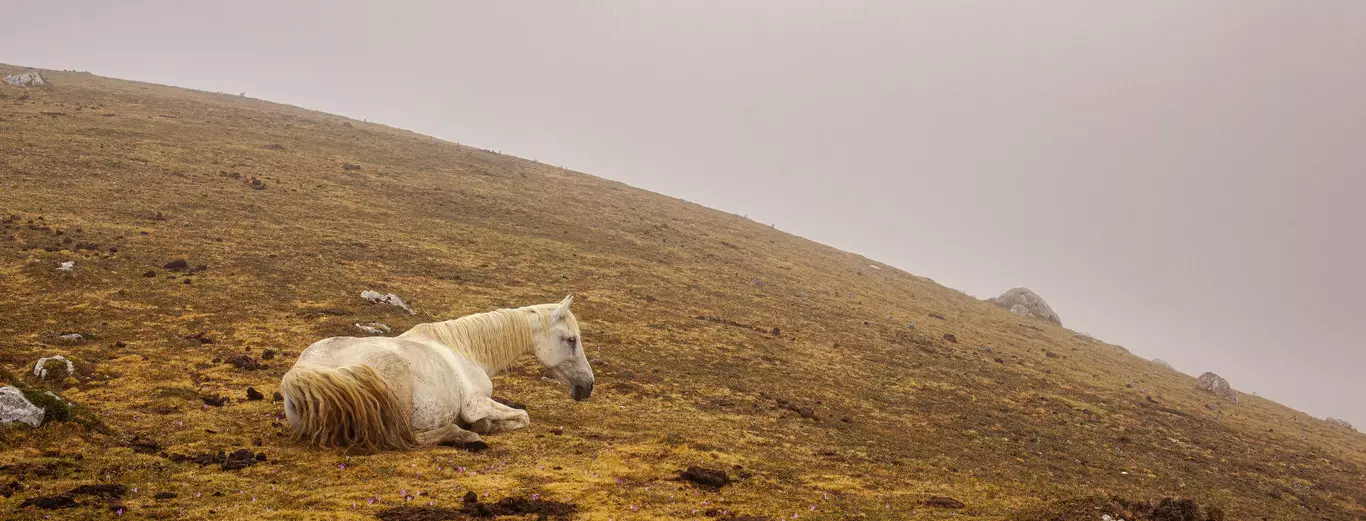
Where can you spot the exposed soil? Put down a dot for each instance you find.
(704, 477)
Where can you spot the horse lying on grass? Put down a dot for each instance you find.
(429, 385)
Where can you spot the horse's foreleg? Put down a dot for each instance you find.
(449, 434)
(500, 418)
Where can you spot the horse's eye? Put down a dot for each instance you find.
(573, 341)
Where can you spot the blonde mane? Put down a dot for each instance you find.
(494, 339)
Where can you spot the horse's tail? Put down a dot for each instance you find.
(346, 407)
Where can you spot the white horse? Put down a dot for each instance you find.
(429, 385)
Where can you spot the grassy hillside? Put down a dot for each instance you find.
(717, 341)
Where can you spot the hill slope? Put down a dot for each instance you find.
(717, 341)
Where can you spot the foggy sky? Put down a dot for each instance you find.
(1180, 178)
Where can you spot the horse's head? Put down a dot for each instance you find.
(560, 349)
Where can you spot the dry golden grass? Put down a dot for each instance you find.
(160, 173)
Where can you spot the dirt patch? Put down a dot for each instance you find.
(704, 477)
(239, 459)
(508, 506)
(244, 362)
(1094, 507)
(943, 502)
(107, 493)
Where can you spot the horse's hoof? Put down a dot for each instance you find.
(469, 446)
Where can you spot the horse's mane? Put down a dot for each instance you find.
(494, 339)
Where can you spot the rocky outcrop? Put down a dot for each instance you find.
(15, 408)
(1218, 385)
(1021, 310)
(1161, 363)
(1340, 423)
(25, 79)
(1030, 301)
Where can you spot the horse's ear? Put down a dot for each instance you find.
(562, 310)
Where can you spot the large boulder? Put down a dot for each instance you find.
(1218, 385)
(25, 79)
(1029, 301)
(15, 408)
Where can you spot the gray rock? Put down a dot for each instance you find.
(14, 408)
(66, 266)
(25, 79)
(1162, 363)
(1030, 301)
(53, 369)
(1019, 309)
(375, 297)
(72, 337)
(374, 328)
(1218, 385)
(1340, 423)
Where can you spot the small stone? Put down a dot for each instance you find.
(268, 354)
(66, 266)
(178, 264)
(253, 394)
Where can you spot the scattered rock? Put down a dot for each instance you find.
(1162, 363)
(53, 369)
(704, 477)
(25, 79)
(15, 408)
(149, 273)
(1031, 301)
(374, 328)
(948, 337)
(1218, 385)
(277, 397)
(936, 316)
(349, 167)
(268, 354)
(1019, 309)
(214, 400)
(66, 266)
(72, 337)
(254, 395)
(375, 297)
(176, 265)
(943, 502)
(1340, 423)
(244, 362)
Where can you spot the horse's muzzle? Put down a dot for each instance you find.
(582, 391)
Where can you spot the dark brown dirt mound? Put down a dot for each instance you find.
(508, 506)
(109, 493)
(705, 477)
(239, 459)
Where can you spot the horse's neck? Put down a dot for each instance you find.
(493, 342)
